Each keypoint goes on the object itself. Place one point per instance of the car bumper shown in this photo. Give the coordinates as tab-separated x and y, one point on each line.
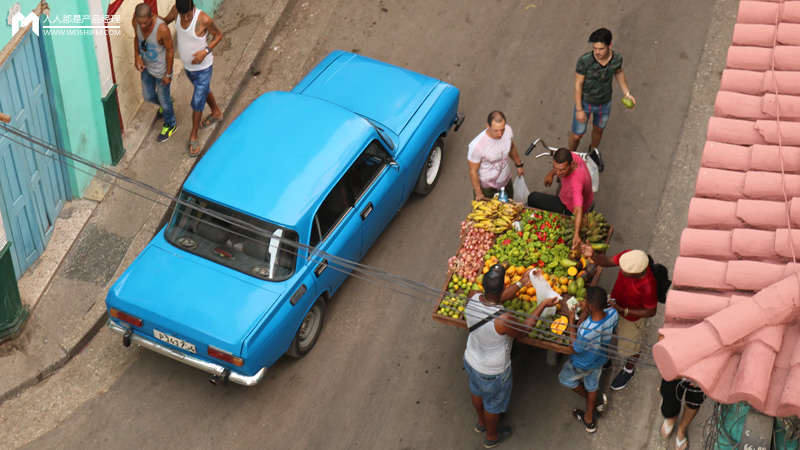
193	361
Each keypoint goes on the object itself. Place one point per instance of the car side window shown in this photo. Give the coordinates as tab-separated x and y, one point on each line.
366	168
333	208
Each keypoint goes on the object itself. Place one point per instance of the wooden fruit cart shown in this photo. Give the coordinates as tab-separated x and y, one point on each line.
461	322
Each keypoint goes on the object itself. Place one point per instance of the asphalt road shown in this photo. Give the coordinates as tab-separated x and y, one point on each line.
383	374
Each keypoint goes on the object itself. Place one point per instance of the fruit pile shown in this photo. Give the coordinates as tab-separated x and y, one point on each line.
594	229
523	239
494	215
474	244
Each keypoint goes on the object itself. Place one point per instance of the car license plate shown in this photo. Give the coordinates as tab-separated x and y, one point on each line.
180	343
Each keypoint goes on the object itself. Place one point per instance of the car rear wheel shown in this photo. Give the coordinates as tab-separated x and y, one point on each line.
431	169
309	330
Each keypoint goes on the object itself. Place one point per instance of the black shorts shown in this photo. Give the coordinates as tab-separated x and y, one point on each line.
674	392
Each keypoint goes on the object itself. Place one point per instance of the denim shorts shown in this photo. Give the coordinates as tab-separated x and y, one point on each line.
599	115
495	390
571	377
201	79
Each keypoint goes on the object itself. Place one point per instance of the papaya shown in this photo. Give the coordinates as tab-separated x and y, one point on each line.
599	246
580	282
559	325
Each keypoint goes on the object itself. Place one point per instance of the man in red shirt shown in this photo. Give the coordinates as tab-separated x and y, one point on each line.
575	196
635	298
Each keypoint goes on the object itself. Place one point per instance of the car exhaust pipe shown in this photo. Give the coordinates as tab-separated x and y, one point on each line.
217	380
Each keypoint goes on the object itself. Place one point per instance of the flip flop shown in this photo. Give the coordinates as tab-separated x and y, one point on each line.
209	120
666	428
681	444
578	414
194	145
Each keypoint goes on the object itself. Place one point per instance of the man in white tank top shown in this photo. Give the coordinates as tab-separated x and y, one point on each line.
194	50
487	359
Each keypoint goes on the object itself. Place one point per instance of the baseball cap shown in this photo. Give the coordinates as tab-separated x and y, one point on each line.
634	261
494	279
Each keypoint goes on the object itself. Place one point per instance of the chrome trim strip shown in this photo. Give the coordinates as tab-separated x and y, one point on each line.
193	361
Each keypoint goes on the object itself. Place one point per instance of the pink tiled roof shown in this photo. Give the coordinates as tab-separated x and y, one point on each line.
732	321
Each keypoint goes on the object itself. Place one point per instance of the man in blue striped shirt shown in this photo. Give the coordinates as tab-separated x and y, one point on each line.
589	352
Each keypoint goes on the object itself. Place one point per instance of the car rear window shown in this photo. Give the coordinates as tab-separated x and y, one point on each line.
267	254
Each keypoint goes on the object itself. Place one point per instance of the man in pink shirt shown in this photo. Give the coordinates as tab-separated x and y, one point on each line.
488	158
575	196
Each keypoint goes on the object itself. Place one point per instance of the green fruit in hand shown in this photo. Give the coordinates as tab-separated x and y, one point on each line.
627	102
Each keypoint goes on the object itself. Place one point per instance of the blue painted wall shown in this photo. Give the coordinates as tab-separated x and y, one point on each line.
76	83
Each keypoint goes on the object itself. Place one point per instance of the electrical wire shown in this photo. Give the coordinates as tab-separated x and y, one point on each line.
365	273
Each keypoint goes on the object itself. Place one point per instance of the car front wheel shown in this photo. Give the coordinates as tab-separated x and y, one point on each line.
431	169
309	331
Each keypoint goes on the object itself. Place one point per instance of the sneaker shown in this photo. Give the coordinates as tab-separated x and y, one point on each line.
600	408
622	379
608	365
502	435
166	133
479	428
159	113
594	153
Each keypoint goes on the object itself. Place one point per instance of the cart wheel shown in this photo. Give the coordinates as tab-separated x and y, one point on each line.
552	358
429	174
309	331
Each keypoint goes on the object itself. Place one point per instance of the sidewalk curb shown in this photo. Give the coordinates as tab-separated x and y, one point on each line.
240	74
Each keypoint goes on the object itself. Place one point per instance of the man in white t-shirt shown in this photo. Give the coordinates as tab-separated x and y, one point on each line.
488	158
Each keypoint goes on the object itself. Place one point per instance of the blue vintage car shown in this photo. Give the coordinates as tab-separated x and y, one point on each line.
300	183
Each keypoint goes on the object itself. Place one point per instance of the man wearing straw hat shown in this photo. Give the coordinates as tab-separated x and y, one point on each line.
635	298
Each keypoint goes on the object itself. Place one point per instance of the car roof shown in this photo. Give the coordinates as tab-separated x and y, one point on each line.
385	93
280	157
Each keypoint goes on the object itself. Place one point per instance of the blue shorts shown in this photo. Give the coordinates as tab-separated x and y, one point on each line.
571	377
599	115
201	80
495	390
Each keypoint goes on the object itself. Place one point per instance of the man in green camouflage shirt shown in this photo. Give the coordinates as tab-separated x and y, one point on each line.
593	75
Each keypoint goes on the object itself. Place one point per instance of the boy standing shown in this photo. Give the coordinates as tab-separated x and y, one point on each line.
582	372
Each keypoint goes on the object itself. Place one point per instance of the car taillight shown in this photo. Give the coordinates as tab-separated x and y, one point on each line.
225	356
125	317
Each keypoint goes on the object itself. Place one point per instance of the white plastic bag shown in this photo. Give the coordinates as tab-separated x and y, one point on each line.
543	291
521	191
594	173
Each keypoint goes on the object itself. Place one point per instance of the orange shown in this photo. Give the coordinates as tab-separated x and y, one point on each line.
531	290
546	276
525	297
511	270
507	280
520	270
563	280
485	269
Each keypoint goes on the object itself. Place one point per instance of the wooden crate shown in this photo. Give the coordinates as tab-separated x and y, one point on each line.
462	323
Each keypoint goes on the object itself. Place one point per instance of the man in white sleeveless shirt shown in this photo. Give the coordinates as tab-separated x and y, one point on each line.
487	359
152	45
195	51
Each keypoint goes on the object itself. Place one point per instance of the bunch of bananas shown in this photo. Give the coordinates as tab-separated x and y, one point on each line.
593	229
494	215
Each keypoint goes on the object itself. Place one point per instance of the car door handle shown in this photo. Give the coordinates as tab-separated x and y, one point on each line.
321	268
365	212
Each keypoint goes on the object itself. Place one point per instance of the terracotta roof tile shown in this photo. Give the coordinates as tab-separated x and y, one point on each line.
732	320
707	213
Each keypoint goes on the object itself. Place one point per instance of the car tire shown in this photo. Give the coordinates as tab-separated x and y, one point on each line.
309	330
429	174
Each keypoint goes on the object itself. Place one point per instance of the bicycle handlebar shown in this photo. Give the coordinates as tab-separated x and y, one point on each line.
550	150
